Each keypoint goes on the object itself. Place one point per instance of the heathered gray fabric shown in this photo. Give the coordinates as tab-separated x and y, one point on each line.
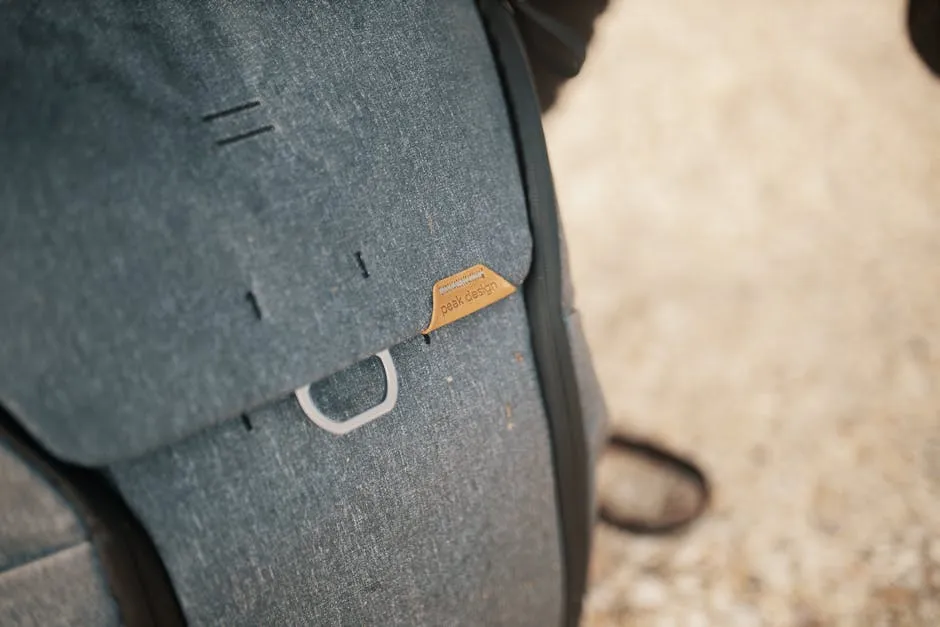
567	286
439	513
594	409
34	518
65	588
129	239
351	391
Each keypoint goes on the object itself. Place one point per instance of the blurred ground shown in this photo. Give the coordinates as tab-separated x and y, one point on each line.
751	192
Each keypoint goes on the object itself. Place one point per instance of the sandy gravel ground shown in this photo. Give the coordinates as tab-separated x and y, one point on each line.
751	192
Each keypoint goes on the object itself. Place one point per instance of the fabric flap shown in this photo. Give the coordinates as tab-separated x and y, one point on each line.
207	205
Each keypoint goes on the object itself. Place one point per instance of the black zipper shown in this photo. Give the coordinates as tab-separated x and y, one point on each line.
542	293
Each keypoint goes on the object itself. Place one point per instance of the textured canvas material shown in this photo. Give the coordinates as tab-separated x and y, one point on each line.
129	238
592	399
35	519
163	275
350	391
439	513
64	589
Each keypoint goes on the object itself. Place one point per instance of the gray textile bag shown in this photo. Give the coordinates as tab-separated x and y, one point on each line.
221	226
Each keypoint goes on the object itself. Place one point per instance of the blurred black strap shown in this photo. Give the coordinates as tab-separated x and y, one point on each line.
684	468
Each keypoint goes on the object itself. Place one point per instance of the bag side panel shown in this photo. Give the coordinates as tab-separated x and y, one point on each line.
63	588
441	512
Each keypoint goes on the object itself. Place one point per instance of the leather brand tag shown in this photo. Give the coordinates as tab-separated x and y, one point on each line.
464	293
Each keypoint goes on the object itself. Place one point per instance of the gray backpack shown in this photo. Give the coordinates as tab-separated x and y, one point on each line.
287	338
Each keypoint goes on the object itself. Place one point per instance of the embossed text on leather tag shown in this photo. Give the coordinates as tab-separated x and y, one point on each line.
466	292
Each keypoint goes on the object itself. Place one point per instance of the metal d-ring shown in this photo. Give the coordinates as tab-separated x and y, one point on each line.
345	426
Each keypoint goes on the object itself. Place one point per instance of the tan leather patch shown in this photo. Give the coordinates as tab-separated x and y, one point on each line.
466	292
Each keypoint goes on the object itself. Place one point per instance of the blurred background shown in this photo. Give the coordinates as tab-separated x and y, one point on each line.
751	194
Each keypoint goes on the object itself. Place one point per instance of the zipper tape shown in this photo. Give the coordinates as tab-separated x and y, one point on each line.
542	293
